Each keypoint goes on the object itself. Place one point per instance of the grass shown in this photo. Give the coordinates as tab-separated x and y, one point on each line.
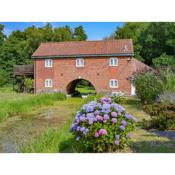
58	139
12	103
86	90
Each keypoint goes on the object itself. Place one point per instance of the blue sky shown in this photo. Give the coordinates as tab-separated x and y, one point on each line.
94	30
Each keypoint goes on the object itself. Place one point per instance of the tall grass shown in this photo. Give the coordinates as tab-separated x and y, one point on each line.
56	140
9	108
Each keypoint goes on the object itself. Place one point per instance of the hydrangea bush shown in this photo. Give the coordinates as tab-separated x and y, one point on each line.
102	126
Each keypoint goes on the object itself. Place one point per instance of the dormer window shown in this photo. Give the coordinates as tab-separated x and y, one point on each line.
48	63
80	62
113	62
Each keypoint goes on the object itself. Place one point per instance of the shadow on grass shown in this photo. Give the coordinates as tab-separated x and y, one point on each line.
153	147
70	146
168	134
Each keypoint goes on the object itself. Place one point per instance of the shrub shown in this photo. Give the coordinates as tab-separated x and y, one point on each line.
29	83
102	126
3	77
119	98
167	79
148	87
162	116
167	98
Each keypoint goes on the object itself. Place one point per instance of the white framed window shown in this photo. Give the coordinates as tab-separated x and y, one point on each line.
48	63
113	83
48	83
80	62
113	61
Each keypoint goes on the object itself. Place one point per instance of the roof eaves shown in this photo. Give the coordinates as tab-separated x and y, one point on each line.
83	55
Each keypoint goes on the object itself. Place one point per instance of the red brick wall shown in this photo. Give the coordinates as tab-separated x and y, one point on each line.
96	70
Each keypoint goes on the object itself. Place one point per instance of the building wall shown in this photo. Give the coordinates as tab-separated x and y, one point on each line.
96	70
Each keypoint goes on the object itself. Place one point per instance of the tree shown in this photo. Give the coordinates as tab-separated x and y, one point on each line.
2	36
164	60
157	39
79	34
3	77
62	34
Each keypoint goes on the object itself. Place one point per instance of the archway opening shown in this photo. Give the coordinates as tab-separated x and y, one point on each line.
80	87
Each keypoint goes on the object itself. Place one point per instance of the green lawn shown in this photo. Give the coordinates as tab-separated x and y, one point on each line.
86	90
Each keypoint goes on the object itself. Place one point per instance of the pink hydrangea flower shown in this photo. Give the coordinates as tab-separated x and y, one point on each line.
97	134
102	132
113	114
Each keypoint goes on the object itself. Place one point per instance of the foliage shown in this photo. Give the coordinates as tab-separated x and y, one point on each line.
102	126
3	77
157	38
162	116
151	40
119	98
29	84
164	60
167	98
9	108
148	86
167	77
79	34
2	36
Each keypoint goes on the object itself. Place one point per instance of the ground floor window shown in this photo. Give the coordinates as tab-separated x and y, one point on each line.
48	83
113	83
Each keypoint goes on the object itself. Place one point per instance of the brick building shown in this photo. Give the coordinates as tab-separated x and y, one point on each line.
108	65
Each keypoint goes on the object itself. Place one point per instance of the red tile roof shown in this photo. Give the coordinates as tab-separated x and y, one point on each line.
85	48
138	66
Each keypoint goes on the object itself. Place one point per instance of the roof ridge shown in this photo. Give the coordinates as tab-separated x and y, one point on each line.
85	41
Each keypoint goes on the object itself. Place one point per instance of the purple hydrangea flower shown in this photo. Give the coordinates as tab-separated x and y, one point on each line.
117	137
113	114
106	116
97	112
106	106
114	120
99	117
96	134
123	122
77	138
122	127
102	132
78	128
105	100
116	142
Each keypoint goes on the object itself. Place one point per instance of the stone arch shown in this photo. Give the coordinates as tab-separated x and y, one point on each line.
70	88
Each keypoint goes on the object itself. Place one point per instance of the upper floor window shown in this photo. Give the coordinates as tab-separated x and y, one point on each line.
48	63
79	62
48	83
113	62
113	83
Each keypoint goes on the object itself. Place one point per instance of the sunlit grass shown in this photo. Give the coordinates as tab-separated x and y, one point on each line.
13	103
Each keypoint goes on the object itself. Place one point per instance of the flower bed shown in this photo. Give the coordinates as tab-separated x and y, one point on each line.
103	126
